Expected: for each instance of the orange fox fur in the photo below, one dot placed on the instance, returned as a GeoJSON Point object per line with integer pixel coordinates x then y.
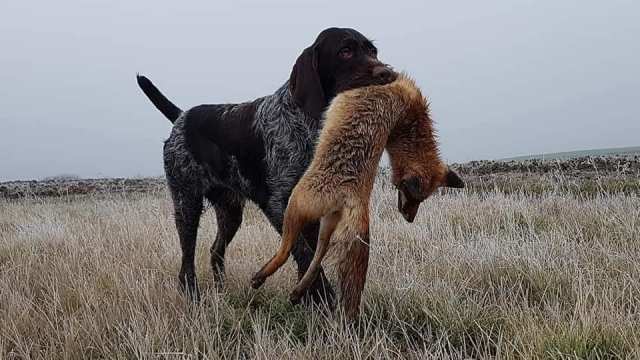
{"type": "Point", "coordinates": [359, 125]}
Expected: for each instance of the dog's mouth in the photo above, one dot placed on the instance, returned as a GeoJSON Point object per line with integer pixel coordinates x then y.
{"type": "Point", "coordinates": [377, 75]}
{"type": "Point", "coordinates": [381, 74]}
{"type": "Point", "coordinates": [384, 74]}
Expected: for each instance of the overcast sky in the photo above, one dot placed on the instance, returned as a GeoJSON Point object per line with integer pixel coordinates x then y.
{"type": "Point", "coordinates": [505, 77]}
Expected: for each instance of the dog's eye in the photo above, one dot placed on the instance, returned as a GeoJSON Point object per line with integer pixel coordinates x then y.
{"type": "Point", "coordinates": [346, 52]}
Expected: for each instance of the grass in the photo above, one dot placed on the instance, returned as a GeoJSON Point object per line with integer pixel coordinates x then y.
{"type": "Point", "coordinates": [480, 274]}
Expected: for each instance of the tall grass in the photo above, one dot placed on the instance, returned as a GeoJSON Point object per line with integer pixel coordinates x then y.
{"type": "Point", "coordinates": [478, 275]}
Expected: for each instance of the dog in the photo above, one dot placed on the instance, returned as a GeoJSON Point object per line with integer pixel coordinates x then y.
{"type": "Point", "coordinates": [336, 187]}
{"type": "Point", "coordinates": [258, 150]}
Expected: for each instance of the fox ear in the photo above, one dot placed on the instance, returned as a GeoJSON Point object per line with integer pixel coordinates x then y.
{"type": "Point", "coordinates": [453, 180]}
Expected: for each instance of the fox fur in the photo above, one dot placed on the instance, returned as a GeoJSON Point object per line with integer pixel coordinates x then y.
{"type": "Point", "coordinates": [336, 188]}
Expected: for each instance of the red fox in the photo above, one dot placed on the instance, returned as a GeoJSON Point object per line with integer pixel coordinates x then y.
{"type": "Point", "coordinates": [359, 125]}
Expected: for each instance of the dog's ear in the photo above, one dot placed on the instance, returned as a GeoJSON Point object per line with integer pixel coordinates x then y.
{"type": "Point", "coordinates": [305, 84]}
{"type": "Point", "coordinates": [453, 180]}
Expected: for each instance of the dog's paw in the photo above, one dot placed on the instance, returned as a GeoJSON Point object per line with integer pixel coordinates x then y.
{"type": "Point", "coordinates": [257, 280]}
{"type": "Point", "coordinates": [189, 287]}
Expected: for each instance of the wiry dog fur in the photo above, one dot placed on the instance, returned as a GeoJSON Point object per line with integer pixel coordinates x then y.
{"type": "Point", "coordinates": [257, 151]}
{"type": "Point", "coordinates": [337, 186]}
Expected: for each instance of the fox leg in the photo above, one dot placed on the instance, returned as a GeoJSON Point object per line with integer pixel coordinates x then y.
{"type": "Point", "coordinates": [352, 268]}
{"type": "Point", "coordinates": [295, 218]}
{"type": "Point", "coordinates": [327, 226]}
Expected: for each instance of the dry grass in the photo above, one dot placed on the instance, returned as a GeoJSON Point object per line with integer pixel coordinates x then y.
{"type": "Point", "coordinates": [479, 274]}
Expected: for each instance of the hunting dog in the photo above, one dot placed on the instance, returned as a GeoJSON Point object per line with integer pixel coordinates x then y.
{"type": "Point", "coordinates": [258, 150]}
{"type": "Point", "coordinates": [336, 187]}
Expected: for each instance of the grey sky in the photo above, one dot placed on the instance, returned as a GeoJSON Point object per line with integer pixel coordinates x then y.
{"type": "Point", "coordinates": [505, 77]}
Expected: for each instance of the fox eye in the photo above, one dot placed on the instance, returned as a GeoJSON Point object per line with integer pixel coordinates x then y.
{"type": "Point", "coordinates": [346, 53]}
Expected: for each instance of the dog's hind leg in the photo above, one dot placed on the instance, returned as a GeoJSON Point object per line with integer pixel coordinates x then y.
{"type": "Point", "coordinates": [228, 207]}
{"type": "Point", "coordinates": [296, 217]}
{"type": "Point", "coordinates": [327, 227]}
{"type": "Point", "coordinates": [188, 209]}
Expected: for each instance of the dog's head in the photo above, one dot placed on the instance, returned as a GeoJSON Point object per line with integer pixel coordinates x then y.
{"type": "Point", "coordinates": [340, 59]}
{"type": "Point", "coordinates": [414, 189]}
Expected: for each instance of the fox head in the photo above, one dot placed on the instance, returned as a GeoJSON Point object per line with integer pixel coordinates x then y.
{"type": "Point", "coordinates": [414, 189]}
{"type": "Point", "coordinates": [413, 151]}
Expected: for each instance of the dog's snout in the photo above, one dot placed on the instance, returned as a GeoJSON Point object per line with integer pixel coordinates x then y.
{"type": "Point", "coordinates": [384, 74]}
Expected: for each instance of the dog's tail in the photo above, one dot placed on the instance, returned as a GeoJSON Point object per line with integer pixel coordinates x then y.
{"type": "Point", "coordinates": [161, 102]}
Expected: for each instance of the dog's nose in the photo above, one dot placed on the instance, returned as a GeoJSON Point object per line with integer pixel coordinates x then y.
{"type": "Point", "coordinates": [384, 74]}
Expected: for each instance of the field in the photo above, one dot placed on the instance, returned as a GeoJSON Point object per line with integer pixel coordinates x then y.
{"type": "Point", "coordinates": [532, 260]}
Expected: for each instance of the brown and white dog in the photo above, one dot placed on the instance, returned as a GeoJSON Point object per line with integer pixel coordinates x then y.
{"type": "Point", "coordinates": [336, 187]}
